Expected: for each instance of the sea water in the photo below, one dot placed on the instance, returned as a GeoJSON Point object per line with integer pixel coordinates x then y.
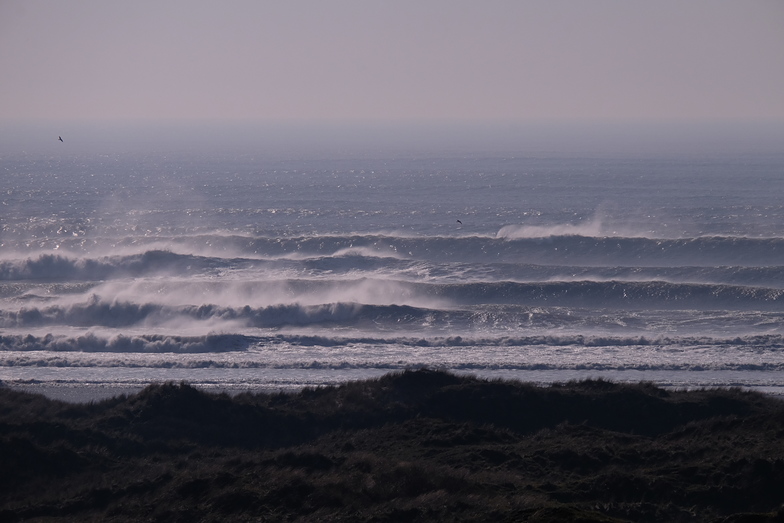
{"type": "Point", "coordinates": [235, 267]}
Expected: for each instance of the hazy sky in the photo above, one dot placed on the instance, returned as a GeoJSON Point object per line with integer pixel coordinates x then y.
{"type": "Point", "coordinates": [393, 59]}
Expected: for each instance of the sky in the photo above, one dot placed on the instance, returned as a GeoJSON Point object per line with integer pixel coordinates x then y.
{"type": "Point", "coordinates": [392, 61]}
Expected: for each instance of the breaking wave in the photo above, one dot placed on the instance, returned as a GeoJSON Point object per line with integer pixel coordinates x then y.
{"type": "Point", "coordinates": [465, 304]}
{"type": "Point", "coordinates": [219, 343]}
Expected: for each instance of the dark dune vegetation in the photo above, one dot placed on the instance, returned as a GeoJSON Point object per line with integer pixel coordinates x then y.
{"type": "Point", "coordinates": [416, 446]}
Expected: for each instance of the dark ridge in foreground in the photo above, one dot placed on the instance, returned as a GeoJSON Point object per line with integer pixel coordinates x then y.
{"type": "Point", "coordinates": [416, 446]}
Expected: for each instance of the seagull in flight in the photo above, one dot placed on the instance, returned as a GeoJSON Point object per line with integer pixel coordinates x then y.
{"type": "Point", "coordinates": [60, 138]}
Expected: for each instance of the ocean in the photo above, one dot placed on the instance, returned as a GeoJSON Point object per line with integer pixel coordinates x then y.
{"type": "Point", "coordinates": [128, 260]}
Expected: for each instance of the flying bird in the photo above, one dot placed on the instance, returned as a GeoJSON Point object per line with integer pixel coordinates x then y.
{"type": "Point", "coordinates": [60, 138]}
{"type": "Point", "coordinates": [458, 221]}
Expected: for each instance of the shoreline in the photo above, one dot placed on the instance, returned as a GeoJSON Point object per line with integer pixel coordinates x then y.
{"type": "Point", "coordinates": [73, 391]}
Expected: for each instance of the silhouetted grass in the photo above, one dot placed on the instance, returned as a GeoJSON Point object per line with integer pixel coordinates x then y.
{"type": "Point", "coordinates": [414, 446]}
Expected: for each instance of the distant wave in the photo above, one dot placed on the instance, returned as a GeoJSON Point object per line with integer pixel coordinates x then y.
{"type": "Point", "coordinates": [551, 249]}
{"type": "Point", "coordinates": [735, 261]}
{"type": "Point", "coordinates": [51, 267]}
{"type": "Point", "coordinates": [711, 251]}
{"type": "Point", "coordinates": [71, 268]}
{"type": "Point", "coordinates": [589, 228]}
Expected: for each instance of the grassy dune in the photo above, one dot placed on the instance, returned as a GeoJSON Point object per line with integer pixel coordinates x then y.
{"type": "Point", "coordinates": [416, 446]}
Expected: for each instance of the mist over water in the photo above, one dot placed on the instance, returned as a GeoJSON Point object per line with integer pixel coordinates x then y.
{"type": "Point", "coordinates": [244, 265]}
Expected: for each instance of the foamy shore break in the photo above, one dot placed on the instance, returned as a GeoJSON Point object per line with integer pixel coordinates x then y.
{"type": "Point", "coordinates": [413, 446]}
